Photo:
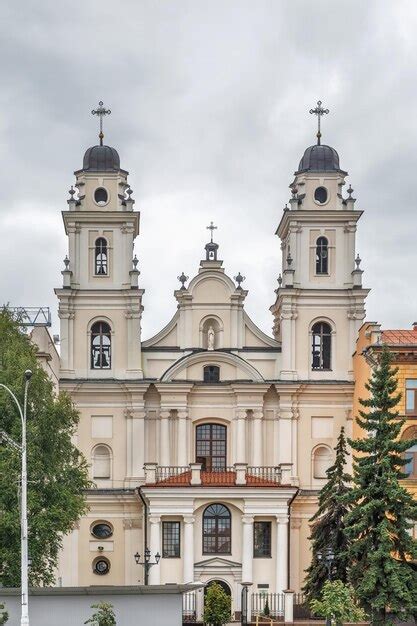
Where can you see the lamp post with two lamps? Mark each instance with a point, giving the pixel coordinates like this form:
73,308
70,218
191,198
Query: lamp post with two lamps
327,557
24,620
147,563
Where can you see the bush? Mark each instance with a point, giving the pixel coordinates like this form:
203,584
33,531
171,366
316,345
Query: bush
4,616
217,606
337,603
104,616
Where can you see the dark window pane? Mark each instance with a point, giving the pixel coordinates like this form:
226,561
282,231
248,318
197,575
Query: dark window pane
322,256
171,539
262,539
100,346
211,374
321,346
217,528
101,256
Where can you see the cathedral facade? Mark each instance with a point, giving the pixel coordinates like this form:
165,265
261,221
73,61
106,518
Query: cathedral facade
208,442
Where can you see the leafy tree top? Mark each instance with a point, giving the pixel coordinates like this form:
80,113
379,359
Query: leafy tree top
383,511
337,603
57,473
103,616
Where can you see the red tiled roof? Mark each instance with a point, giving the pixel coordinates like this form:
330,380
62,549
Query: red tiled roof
400,336
215,479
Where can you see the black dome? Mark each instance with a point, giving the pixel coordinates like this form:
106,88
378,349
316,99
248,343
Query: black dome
319,158
101,159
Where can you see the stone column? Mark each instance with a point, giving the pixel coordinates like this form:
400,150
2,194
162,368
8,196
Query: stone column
164,443
282,554
135,444
257,438
154,547
188,550
182,452
240,436
295,553
247,548
288,606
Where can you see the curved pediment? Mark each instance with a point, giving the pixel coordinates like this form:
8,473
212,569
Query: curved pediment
232,367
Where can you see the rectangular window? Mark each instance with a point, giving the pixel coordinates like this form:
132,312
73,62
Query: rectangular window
411,396
171,540
262,539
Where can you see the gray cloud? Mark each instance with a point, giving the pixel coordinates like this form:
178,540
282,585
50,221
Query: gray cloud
210,108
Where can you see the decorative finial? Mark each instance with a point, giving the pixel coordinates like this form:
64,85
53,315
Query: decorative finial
289,257
294,191
279,280
350,192
66,262
101,111
319,111
212,227
72,192
286,207
183,279
129,192
239,279
135,261
358,261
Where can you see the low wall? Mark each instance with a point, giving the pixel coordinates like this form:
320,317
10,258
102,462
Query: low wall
156,605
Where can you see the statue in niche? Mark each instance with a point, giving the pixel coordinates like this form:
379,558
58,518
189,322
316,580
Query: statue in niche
210,338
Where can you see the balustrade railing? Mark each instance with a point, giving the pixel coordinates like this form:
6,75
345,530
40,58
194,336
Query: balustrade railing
261,473
178,474
268,604
189,604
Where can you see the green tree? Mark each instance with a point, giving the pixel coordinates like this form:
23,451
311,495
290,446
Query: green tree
4,616
57,473
217,606
337,603
103,616
328,525
379,523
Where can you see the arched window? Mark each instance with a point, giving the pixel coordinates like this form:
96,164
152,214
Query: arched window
211,446
100,346
321,346
100,256
211,374
101,462
217,530
322,256
411,454
322,458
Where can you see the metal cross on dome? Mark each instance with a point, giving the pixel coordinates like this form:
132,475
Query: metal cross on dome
211,228
319,111
101,111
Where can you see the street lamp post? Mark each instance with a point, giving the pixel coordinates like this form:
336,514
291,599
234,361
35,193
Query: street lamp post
147,563
327,557
24,621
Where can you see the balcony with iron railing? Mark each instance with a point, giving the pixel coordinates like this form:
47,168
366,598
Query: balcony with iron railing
239,474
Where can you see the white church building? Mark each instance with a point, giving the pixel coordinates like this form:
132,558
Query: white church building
208,442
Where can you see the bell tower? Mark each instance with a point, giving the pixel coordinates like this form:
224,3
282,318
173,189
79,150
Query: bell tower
100,304
320,300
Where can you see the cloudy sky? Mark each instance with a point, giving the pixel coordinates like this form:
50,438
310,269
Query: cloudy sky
210,102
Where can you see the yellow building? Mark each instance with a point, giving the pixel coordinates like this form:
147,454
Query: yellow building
403,347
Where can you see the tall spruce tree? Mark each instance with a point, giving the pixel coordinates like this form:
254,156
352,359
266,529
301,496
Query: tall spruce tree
57,473
382,513
328,525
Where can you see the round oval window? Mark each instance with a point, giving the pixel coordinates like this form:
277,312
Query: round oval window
102,530
320,195
101,196
101,567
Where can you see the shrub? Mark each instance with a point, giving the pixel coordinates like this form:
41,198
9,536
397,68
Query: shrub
104,616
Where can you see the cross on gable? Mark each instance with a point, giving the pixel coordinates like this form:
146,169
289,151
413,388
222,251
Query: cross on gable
211,228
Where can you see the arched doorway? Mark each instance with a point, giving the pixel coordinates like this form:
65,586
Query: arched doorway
222,584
